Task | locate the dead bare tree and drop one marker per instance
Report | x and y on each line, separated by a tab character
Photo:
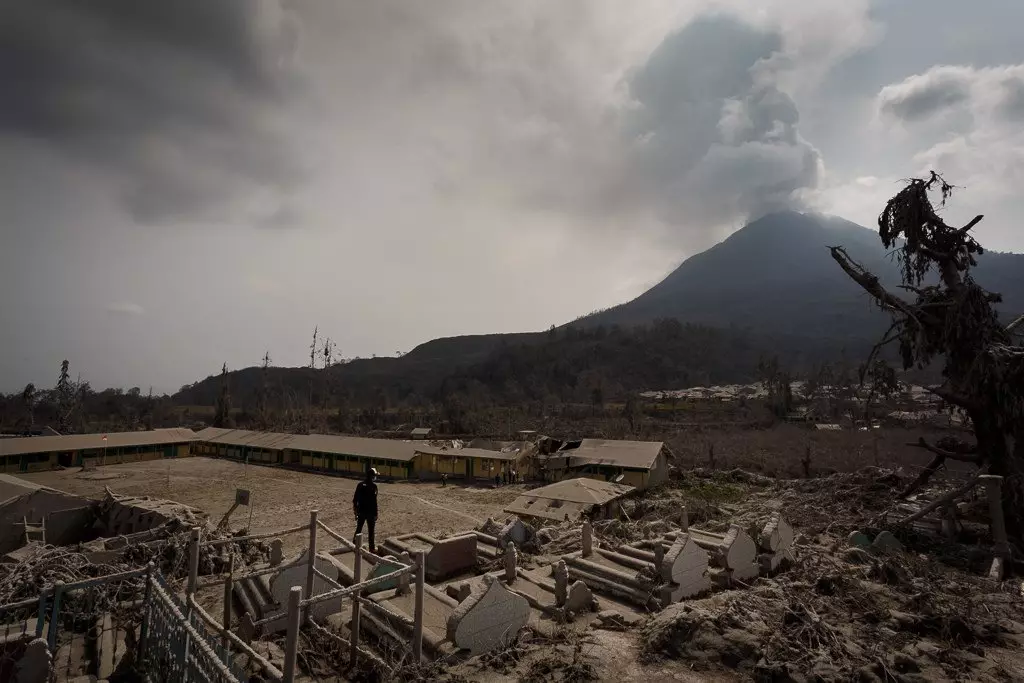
955	321
776	380
313	348
262	396
328	352
30	397
222	413
65	393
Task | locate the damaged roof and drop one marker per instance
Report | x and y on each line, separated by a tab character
477	453
567	499
12	487
245	437
631	454
78	442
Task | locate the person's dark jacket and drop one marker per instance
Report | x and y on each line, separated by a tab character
365	499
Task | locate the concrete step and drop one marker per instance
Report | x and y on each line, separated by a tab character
72	660
22	631
110	647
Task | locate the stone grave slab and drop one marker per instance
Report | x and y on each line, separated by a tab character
488	618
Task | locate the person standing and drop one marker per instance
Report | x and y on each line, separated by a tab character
364	505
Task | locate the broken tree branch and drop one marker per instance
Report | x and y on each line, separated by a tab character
871	284
921	479
1015	324
974	221
939	502
952	455
953	398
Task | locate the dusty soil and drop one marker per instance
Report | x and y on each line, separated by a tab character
840	613
282	498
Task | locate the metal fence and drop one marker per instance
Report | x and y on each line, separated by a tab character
126	623
133	623
23	621
176	646
94	624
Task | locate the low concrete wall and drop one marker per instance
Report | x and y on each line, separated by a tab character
451	556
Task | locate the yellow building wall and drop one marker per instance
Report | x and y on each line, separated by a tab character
342	463
458	465
149	455
635	478
264	457
395	470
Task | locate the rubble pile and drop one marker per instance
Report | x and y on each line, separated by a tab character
858	603
166	544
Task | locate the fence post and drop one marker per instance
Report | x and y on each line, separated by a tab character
41	616
994	488
311	570
193	565
229	584
417	622
146	611
291	644
357	576
190	590
51	635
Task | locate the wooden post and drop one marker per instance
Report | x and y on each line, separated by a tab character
417	623
311	554
291	644
357	576
994	489
228	595
193	565
684	519
949	526
588	538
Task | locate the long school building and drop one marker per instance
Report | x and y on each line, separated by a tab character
635	463
352	455
34	453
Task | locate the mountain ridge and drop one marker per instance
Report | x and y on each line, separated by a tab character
770	288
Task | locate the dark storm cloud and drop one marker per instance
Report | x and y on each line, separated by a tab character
715	135
174	100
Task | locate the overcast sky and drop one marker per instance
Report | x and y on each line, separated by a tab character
189	183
